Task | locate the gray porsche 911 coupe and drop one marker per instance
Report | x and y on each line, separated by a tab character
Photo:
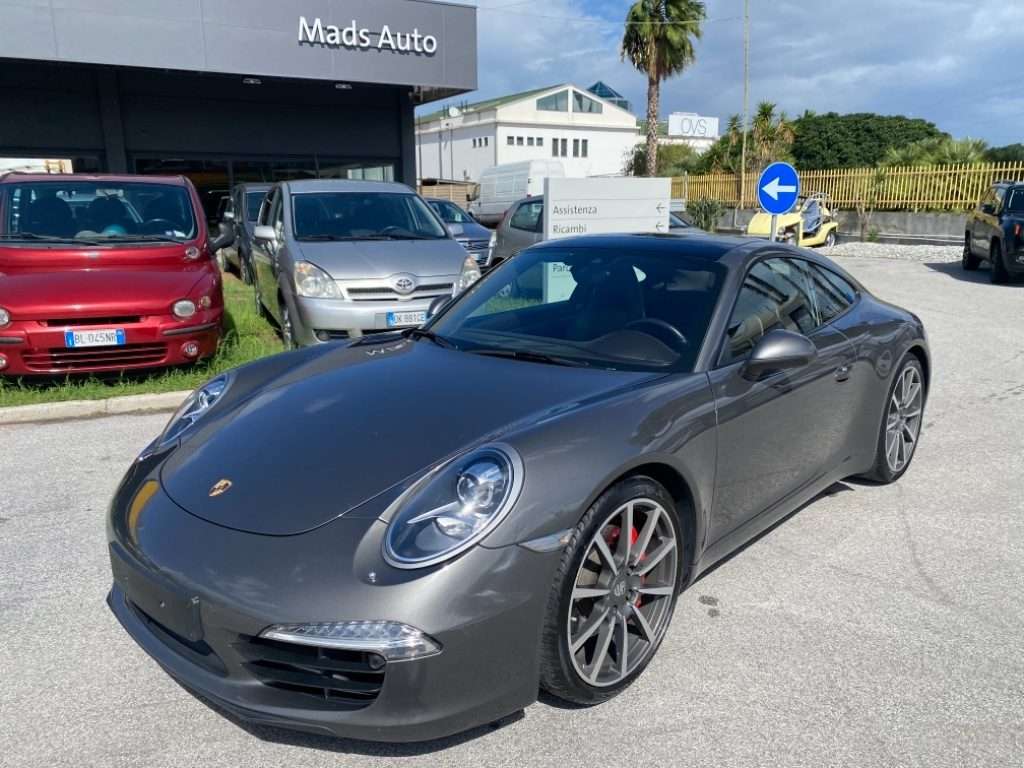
409	535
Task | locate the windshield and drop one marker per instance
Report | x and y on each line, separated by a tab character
364	216
98	212
646	311
450	213
253	201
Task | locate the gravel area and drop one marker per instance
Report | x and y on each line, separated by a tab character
924	253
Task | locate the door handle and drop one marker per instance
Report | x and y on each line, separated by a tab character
843	373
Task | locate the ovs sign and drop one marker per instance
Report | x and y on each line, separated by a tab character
689	125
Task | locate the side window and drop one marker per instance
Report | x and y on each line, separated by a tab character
775	294
1000	193
528	216
833	295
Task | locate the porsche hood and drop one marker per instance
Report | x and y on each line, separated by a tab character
338	429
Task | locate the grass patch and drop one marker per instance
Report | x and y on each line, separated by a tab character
247	337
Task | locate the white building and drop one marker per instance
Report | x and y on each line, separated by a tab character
589	135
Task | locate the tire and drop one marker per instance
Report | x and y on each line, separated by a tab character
287	328
831	239
968	260
244	270
903	418
590	607
999	274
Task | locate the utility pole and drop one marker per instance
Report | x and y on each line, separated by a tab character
746	98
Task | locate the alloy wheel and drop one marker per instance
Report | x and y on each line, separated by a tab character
903	421
621	600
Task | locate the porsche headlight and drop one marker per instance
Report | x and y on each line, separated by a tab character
192	410
453	507
469	275
313	283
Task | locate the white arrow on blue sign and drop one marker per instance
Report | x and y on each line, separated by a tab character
778	188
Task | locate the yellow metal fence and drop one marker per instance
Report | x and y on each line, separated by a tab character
922	188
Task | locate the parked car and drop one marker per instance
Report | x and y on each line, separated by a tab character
502	185
812	224
995	232
413	570
335	259
477	239
105	273
523	226
242	215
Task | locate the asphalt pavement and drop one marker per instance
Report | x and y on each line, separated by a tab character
878	626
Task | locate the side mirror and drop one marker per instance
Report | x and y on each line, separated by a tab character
779	351
988	209
265	233
437	305
223	240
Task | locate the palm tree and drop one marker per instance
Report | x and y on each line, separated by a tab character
773	136
659	41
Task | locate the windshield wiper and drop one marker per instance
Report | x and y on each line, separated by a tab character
532	357
141	239
33	236
422	333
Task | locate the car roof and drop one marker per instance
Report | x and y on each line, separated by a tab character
255	186
16	176
345	185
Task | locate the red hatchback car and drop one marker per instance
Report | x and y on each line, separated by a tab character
105	273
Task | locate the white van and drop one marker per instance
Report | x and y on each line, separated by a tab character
503	185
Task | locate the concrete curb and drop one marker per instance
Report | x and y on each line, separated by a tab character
91	409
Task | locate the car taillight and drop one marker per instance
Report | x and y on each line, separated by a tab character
1016	231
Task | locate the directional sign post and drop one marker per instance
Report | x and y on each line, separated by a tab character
778	191
593	206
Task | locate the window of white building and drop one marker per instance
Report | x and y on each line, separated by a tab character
556	102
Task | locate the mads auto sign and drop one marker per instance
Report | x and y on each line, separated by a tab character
354	36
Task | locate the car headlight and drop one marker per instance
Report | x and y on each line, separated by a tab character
313	283
5	318
184	309
453	507
196	405
469	275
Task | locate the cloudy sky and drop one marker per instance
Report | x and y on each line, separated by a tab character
943	60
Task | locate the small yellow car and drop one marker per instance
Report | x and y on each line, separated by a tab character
811	224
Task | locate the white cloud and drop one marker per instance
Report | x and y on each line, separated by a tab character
934	59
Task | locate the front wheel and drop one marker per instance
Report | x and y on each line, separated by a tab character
831	239
999	273
901	428
968	260
614	593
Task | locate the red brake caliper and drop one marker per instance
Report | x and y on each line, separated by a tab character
611	538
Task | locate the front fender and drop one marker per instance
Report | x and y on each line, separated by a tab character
573	458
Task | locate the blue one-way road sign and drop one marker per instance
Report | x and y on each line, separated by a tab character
778	189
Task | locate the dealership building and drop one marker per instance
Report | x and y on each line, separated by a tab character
225	91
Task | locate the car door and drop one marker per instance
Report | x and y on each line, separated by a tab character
264	254
782	432
523	228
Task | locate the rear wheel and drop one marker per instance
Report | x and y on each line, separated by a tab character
614	593
901	427
831	239
999	273
968	260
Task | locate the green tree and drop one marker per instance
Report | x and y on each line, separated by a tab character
673	160
659	42
1011	153
854	141
769	139
941	150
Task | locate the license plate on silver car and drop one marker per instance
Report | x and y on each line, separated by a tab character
399	319
112	337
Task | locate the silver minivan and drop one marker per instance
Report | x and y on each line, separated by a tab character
336	259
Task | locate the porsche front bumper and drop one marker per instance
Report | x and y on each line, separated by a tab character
196	597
